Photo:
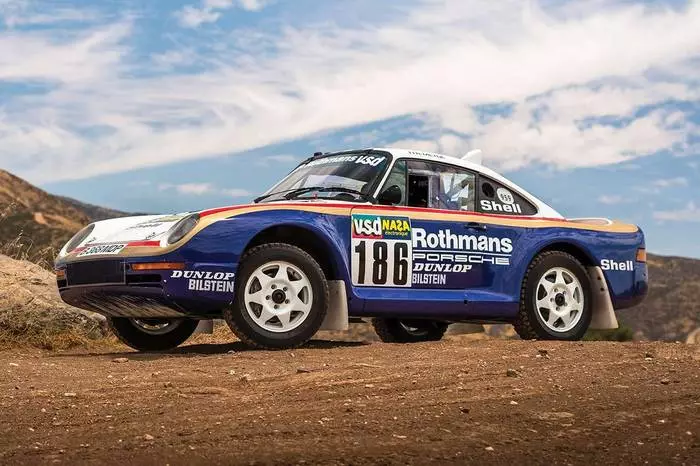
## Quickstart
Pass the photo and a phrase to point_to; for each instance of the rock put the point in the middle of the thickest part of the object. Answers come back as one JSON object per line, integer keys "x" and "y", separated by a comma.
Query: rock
{"x": 245, "y": 378}
{"x": 303, "y": 370}
{"x": 70, "y": 395}
{"x": 464, "y": 410}
{"x": 513, "y": 402}
{"x": 665, "y": 381}
{"x": 231, "y": 372}
{"x": 167, "y": 384}
{"x": 148, "y": 437}
{"x": 554, "y": 416}
{"x": 512, "y": 373}
{"x": 14, "y": 364}
{"x": 543, "y": 353}
{"x": 489, "y": 448}
{"x": 120, "y": 360}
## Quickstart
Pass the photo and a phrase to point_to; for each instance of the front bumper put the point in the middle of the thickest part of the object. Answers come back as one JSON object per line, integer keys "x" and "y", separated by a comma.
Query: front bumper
{"x": 112, "y": 288}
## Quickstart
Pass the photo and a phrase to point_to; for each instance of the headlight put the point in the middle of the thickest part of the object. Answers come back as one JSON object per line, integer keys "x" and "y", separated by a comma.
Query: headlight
{"x": 182, "y": 228}
{"x": 79, "y": 237}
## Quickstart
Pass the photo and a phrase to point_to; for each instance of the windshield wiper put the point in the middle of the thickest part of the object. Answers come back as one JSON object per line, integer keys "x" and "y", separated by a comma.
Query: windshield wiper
{"x": 324, "y": 189}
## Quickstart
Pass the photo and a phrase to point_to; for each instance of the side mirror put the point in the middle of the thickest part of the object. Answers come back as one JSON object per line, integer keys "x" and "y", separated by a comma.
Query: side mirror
{"x": 390, "y": 196}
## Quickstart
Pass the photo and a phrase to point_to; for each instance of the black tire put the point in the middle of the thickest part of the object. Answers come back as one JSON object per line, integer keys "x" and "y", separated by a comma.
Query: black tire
{"x": 131, "y": 335}
{"x": 408, "y": 331}
{"x": 250, "y": 332}
{"x": 529, "y": 323}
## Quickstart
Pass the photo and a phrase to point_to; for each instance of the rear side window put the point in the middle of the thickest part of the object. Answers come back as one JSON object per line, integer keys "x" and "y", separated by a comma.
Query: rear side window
{"x": 494, "y": 198}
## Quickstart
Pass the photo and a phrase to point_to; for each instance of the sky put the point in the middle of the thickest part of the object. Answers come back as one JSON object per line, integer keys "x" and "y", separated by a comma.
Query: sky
{"x": 168, "y": 106}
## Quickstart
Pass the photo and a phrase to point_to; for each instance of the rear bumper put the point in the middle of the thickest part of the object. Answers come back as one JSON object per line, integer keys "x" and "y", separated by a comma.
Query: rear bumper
{"x": 637, "y": 292}
{"x": 112, "y": 288}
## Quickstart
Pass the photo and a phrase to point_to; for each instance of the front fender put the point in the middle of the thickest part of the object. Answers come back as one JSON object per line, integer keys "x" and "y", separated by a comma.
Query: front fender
{"x": 226, "y": 240}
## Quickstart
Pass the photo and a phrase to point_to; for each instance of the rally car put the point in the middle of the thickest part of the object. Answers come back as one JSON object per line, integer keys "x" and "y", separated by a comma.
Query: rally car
{"x": 412, "y": 240}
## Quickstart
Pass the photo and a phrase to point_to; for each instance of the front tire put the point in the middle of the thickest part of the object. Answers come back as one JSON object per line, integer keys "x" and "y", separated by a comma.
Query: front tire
{"x": 555, "y": 300}
{"x": 408, "y": 331}
{"x": 152, "y": 334}
{"x": 281, "y": 297}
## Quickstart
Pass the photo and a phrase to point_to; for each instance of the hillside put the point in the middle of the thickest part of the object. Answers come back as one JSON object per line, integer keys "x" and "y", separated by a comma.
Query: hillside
{"x": 35, "y": 224}
{"x": 672, "y": 310}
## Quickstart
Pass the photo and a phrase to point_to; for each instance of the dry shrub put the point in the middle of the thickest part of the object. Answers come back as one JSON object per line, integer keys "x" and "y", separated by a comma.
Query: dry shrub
{"x": 26, "y": 326}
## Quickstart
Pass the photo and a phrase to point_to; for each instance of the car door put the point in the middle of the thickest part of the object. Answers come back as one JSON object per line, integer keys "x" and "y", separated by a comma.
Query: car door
{"x": 423, "y": 254}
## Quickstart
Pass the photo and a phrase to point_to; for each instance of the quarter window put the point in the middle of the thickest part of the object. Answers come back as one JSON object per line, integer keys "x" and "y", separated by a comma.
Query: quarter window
{"x": 494, "y": 198}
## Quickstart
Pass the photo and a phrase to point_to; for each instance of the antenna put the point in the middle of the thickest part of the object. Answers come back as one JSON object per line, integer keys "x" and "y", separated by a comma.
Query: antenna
{"x": 475, "y": 156}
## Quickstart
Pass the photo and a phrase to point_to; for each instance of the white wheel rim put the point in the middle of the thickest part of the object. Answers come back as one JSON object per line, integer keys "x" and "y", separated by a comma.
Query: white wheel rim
{"x": 278, "y": 296}
{"x": 156, "y": 326}
{"x": 559, "y": 300}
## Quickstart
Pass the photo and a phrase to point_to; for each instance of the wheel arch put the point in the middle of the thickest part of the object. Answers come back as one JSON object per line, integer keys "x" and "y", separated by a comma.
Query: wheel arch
{"x": 603, "y": 310}
{"x": 576, "y": 250}
{"x": 303, "y": 237}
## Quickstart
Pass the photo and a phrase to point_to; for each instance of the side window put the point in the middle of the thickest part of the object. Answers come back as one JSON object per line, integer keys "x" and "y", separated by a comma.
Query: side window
{"x": 494, "y": 198}
{"x": 440, "y": 186}
{"x": 397, "y": 177}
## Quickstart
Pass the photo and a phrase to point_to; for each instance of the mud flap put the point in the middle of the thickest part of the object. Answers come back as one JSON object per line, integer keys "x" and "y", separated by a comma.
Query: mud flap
{"x": 205, "y": 326}
{"x": 337, "y": 316}
{"x": 603, "y": 311}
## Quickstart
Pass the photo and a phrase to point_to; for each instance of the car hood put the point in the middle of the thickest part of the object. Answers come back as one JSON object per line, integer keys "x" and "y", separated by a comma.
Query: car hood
{"x": 129, "y": 230}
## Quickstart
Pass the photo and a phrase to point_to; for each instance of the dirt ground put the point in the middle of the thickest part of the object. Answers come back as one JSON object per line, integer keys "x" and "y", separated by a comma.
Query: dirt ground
{"x": 460, "y": 401}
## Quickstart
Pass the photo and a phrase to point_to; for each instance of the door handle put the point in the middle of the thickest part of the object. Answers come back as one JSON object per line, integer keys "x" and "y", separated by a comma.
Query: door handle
{"x": 475, "y": 226}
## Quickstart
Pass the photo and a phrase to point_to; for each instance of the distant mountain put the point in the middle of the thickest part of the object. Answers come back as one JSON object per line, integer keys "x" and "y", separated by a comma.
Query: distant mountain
{"x": 671, "y": 311}
{"x": 94, "y": 212}
{"x": 34, "y": 224}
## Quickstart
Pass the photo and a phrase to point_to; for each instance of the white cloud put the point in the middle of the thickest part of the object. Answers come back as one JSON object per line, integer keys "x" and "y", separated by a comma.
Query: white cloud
{"x": 253, "y": 5}
{"x": 564, "y": 71}
{"x": 210, "y": 11}
{"x": 277, "y": 159}
{"x": 689, "y": 213}
{"x": 671, "y": 182}
{"x": 193, "y": 17}
{"x": 201, "y": 189}
{"x": 611, "y": 199}
{"x": 237, "y": 192}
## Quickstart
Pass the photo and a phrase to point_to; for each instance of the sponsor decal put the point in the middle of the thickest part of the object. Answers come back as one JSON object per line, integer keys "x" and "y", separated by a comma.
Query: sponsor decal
{"x": 505, "y": 196}
{"x": 429, "y": 279}
{"x": 199, "y": 280}
{"x": 379, "y": 227}
{"x": 426, "y": 154}
{"x": 609, "y": 264}
{"x": 102, "y": 249}
{"x": 381, "y": 250}
{"x": 445, "y": 239}
{"x": 145, "y": 225}
{"x": 493, "y": 206}
{"x": 370, "y": 160}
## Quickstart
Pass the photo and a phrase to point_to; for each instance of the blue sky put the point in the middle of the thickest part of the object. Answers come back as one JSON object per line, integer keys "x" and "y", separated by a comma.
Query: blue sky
{"x": 158, "y": 106}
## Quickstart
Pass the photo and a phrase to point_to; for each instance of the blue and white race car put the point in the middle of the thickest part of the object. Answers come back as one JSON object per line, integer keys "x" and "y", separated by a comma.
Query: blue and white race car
{"x": 412, "y": 240}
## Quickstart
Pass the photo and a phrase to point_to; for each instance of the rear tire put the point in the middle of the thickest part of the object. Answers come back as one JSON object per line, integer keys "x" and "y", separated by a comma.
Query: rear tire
{"x": 152, "y": 334}
{"x": 408, "y": 331}
{"x": 555, "y": 300}
{"x": 281, "y": 297}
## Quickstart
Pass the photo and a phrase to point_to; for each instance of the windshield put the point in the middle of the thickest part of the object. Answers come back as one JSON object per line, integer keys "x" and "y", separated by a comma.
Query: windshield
{"x": 349, "y": 176}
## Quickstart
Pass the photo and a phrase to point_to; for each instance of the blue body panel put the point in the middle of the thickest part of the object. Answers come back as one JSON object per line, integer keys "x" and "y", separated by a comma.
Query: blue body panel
{"x": 485, "y": 286}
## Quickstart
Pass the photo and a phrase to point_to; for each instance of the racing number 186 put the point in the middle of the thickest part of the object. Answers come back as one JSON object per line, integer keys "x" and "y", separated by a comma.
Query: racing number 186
{"x": 388, "y": 267}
